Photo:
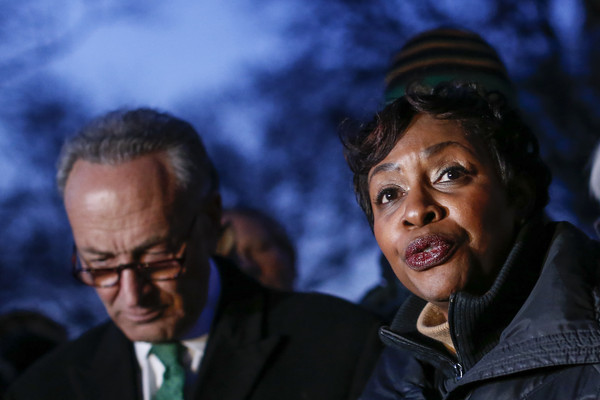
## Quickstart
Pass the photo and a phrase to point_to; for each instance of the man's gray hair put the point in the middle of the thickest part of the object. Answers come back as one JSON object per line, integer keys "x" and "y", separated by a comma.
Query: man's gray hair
{"x": 124, "y": 135}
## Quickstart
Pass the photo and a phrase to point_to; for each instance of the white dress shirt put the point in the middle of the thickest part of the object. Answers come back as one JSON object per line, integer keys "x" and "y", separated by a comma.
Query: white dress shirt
{"x": 194, "y": 342}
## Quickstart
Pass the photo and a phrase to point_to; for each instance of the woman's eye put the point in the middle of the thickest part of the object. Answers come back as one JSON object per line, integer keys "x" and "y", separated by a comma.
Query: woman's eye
{"x": 387, "y": 195}
{"x": 452, "y": 173}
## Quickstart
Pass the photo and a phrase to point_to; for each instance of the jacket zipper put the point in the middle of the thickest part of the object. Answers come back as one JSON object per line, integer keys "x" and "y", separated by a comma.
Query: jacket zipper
{"x": 458, "y": 368}
{"x": 458, "y": 371}
{"x": 425, "y": 351}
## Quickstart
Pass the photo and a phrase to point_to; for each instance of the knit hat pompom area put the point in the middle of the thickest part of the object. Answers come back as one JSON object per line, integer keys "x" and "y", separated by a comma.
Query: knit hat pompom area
{"x": 447, "y": 54}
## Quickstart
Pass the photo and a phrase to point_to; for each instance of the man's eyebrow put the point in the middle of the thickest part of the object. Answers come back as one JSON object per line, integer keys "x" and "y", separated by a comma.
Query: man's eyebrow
{"x": 428, "y": 152}
{"x": 150, "y": 242}
{"x": 91, "y": 250}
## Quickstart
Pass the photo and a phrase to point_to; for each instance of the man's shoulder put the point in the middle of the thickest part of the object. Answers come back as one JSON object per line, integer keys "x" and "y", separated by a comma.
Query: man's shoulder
{"x": 89, "y": 342}
{"x": 322, "y": 305}
{"x": 331, "y": 334}
{"x": 296, "y": 333}
{"x": 243, "y": 293}
{"x": 318, "y": 314}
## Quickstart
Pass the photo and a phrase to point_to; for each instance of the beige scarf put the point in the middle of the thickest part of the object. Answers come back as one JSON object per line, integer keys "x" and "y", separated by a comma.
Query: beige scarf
{"x": 432, "y": 323}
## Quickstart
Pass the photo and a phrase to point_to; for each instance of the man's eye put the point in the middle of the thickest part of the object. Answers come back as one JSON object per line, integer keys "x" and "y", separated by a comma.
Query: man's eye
{"x": 99, "y": 272}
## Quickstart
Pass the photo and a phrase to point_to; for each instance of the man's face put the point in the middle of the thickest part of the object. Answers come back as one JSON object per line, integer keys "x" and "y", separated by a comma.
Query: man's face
{"x": 130, "y": 213}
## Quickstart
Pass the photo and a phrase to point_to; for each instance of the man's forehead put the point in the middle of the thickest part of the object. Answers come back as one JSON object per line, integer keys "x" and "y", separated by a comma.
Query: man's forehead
{"x": 132, "y": 186}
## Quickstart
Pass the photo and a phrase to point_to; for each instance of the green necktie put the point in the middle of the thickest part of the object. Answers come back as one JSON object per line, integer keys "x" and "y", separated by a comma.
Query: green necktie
{"x": 174, "y": 377}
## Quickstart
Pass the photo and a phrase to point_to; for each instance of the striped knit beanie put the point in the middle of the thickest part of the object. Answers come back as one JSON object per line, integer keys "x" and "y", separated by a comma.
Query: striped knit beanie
{"x": 447, "y": 54}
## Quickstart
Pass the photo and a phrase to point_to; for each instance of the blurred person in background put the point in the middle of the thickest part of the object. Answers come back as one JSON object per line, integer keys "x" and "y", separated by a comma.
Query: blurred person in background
{"x": 387, "y": 296}
{"x": 142, "y": 198}
{"x": 504, "y": 302}
{"x": 260, "y": 246}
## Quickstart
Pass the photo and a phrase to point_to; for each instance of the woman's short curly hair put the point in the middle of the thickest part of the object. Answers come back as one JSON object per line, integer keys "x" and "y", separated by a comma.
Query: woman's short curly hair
{"x": 510, "y": 142}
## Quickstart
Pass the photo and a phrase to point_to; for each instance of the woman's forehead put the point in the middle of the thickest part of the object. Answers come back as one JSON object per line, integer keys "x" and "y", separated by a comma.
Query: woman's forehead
{"x": 429, "y": 136}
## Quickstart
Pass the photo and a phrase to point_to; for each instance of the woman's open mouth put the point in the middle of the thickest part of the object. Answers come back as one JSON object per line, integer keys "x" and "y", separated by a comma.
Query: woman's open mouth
{"x": 428, "y": 251}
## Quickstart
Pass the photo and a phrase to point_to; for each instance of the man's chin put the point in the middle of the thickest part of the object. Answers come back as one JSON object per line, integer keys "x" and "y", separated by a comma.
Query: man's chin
{"x": 159, "y": 329}
{"x": 148, "y": 333}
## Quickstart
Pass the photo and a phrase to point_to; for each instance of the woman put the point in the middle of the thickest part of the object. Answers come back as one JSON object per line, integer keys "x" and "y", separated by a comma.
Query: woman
{"x": 506, "y": 304}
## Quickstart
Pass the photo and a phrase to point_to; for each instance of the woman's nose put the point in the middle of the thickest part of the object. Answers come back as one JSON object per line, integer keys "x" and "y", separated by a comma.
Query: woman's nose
{"x": 421, "y": 208}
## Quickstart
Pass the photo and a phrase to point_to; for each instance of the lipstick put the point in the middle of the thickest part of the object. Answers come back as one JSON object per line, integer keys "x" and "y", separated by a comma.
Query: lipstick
{"x": 428, "y": 251}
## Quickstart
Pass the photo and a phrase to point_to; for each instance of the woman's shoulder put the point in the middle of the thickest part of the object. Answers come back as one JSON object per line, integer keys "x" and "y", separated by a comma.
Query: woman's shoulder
{"x": 570, "y": 382}
{"x": 573, "y": 252}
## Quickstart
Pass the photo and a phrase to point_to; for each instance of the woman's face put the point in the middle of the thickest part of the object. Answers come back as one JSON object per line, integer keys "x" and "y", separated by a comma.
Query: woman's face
{"x": 441, "y": 215}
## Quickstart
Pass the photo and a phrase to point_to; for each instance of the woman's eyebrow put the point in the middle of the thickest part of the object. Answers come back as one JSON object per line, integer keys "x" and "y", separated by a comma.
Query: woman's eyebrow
{"x": 438, "y": 147}
{"x": 383, "y": 168}
{"x": 428, "y": 152}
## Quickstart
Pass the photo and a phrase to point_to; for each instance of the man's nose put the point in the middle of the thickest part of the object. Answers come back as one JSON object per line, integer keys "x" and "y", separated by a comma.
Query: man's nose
{"x": 421, "y": 208}
{"x": 131, "y": 287}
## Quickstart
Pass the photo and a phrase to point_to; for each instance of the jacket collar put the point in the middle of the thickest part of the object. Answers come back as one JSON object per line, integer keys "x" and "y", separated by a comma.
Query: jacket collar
{"x": 558, "y": 322}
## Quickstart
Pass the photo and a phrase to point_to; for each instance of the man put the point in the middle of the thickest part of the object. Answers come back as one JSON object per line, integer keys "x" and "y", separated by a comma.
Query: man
{"x": 260, "y": 246}
{"x": 142, "y": 199}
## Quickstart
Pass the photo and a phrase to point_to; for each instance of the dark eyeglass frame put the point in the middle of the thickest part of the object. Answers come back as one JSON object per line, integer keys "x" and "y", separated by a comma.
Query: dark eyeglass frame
{"x": 141, "y": 268}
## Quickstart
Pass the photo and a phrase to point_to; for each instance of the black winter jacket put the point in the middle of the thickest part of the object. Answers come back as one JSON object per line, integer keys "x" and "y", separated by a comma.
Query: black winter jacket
{"x": 534, "y": 335}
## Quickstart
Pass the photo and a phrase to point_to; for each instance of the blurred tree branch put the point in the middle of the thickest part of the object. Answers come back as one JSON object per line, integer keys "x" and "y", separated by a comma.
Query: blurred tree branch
{"x": 34, "y": 32}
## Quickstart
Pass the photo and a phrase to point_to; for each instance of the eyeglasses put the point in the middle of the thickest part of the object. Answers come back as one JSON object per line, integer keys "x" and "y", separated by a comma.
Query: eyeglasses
{"x": 107, "y": 277}
{"x": 162, "y": 270}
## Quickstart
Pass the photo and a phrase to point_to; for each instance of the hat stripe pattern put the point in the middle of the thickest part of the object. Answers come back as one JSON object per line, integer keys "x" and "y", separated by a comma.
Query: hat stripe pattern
{"x": 446, "y": 54}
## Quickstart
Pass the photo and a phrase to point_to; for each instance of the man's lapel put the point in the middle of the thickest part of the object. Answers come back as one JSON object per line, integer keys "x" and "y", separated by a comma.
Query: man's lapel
{"x": 238, "y": 345}
{"x": 233, "y": 373}
{"x": 111, "y": 373}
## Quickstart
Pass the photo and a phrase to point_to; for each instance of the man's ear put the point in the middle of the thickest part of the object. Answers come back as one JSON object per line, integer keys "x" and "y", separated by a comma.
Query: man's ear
{"x": 521, "y": 195}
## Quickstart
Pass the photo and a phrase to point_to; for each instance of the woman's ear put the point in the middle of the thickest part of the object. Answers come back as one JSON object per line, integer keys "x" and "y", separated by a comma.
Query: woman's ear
{"x": 521, "y": 195}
